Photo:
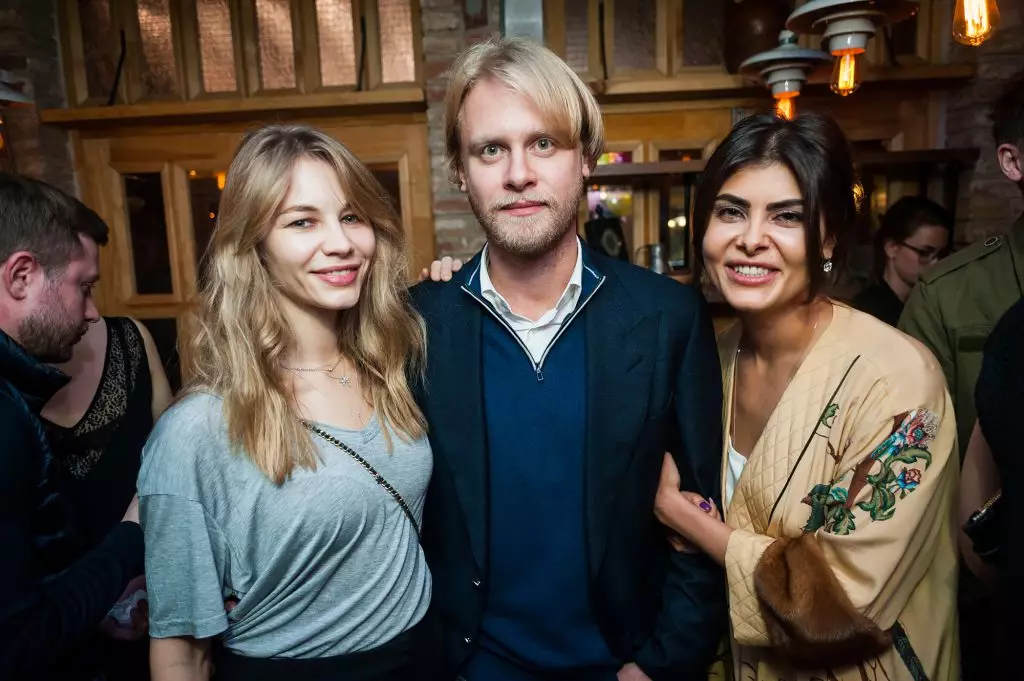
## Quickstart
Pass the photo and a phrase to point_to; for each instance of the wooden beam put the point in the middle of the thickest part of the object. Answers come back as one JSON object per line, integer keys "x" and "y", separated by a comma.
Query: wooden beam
{"x": 635, "y": 171}
{"x": 389, "y": 99}
{"x": 705, "y": 83}
{"x": 641, "y": 172}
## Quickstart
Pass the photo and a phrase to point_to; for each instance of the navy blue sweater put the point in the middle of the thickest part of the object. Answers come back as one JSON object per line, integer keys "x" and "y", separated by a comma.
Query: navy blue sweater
{"x": 537, "y": 611}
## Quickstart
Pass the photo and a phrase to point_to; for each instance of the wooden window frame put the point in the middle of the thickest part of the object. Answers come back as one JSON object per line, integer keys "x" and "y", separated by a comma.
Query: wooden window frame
{"x": 662, "y": 56}
{"x": 128, "y": 20}
{"x": 69, "y": 23}
{"x": 192, "y": 53}
{"x": 171, "y": 178}
{"x": 640, "y": 231}
{"x": 374, "y": 56}
{"x": 555, "y": 36}
{"x": 245, "y": 44}
{"x": 250, "y": 41}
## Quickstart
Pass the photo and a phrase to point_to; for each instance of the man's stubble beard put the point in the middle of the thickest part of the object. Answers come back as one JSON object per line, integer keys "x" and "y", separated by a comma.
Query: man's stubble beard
{"x": 49, "y": 334}
{"x": 531, "y": 237}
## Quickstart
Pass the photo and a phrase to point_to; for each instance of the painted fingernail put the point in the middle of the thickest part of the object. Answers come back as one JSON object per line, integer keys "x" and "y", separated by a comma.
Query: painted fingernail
{"x": 705, "y": 506}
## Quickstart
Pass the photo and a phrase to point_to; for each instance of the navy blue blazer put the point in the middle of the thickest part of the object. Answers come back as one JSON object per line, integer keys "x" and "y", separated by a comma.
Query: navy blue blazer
{"x": 653, "y": 385}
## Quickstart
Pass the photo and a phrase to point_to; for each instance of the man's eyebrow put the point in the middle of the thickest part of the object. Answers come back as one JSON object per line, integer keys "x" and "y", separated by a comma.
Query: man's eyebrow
{"x": 484, "y": 140}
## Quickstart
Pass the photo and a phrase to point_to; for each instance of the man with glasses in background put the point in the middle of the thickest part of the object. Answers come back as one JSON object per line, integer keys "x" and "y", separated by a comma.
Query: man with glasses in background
{"x": 952, "y": 310}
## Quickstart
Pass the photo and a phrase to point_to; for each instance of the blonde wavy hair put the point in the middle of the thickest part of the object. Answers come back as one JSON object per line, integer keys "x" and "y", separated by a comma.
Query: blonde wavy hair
{"x": 532, "y": 70}
{"x": 241, "y": 334}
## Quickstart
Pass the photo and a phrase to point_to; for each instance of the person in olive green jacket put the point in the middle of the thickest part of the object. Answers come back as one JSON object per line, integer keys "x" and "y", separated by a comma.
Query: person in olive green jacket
{"x": 957, "y": 303}
{"x": 952, "y": 310}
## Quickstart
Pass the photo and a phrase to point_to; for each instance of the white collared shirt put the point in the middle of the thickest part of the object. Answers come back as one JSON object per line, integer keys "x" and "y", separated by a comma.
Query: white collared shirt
{"x": 536, "y": 335}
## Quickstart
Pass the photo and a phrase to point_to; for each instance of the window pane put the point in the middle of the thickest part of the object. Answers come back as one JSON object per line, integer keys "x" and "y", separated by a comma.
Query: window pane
{"x": 703, "y": 23}
{"x": 204, "y": 191}
{"x": 673, "y": 220}
{"x": 609, "y": 226}
{"x": 158, "y": 67}
{"x": 634, "y": 35}
{"x": 904, "y": 36}
{"x": 577, "y": 34}
{"x": 216, "y": 48}
{"x": 277, "y": 51}
{"x": 337, "y": 42}
{"x": 679, "y": 154}
{"x": 388, "y": 176}
{"x": 674, "y": 202}
{"x": 100, "y": 44}
{"x": 165, "y": 337}
{"x": 147, "y": 227}
{"x": 397, "y": 63}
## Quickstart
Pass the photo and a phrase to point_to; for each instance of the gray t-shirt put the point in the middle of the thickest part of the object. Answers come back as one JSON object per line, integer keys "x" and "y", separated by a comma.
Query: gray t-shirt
{"x": 325, "y": 564}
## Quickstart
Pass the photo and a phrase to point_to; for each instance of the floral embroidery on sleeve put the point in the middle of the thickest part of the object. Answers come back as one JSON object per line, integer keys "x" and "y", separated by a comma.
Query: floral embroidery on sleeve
{"x": 892, "y": 471}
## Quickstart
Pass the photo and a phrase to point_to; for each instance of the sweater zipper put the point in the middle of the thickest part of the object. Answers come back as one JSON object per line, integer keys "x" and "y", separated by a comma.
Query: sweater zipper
{"x": 538, "y": 367}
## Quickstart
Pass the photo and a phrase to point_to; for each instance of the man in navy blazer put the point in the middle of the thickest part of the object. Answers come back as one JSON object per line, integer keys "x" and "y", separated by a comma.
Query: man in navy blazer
{"x": 556, "y": 380}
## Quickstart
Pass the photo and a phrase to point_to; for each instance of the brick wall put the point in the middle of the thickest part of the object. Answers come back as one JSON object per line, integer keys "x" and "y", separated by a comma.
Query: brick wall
{"x": 30, "y": 50}
{"x": 988, "y": 202}
{"x": 444, "y": 35}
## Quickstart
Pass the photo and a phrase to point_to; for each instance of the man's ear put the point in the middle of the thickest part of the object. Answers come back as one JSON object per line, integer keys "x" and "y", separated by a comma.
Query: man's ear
{"x": 587, "y": 167}
{"x": 18, "y": 273}
{"x": 1008, "y": 157}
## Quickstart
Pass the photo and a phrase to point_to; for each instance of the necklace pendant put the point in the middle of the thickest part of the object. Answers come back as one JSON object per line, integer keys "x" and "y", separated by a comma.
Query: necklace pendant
{"x": 345, "y": 381}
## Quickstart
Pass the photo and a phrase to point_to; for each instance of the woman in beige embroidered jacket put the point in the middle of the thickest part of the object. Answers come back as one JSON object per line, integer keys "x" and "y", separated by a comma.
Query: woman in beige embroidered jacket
{"x": 839, "y": 470}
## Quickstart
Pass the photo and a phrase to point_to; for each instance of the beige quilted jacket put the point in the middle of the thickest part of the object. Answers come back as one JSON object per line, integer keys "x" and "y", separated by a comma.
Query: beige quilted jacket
{"x": 859, "y": 461}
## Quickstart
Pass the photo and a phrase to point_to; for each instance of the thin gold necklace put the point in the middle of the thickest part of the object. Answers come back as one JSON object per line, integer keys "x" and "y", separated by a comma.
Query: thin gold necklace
{"x": 345, "y": 380}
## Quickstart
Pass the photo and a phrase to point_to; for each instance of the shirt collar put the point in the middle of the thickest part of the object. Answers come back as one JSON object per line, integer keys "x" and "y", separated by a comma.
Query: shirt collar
{"x": 566, "y": 302}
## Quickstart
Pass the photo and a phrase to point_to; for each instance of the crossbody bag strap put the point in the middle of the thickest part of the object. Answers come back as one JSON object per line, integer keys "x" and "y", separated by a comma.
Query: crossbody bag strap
{"x": 369, "y": 469}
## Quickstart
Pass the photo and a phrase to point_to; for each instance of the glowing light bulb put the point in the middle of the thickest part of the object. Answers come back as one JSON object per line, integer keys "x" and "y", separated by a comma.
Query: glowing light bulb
{"x": 785, "y": 105}
{"x": 858, "y": 193}
{"x": 974, "y": 21}
{"x": 846, "y": 74}
{"x": 222, "y": 179}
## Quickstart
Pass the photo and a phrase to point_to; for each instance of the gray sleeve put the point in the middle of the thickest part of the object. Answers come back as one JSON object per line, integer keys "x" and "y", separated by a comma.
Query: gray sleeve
{"x": 186, "y": 556}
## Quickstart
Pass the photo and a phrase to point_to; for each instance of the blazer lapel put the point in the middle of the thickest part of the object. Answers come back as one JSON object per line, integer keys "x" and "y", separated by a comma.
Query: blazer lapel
{"x": 620, "y": 349}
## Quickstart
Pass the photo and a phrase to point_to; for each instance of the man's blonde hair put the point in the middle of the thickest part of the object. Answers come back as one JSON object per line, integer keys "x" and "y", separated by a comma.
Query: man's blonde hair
{"x": 529, "y": 69}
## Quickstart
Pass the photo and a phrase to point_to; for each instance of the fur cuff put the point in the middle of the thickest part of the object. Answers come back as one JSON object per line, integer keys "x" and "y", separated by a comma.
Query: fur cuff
{"x": 811, "y": 621}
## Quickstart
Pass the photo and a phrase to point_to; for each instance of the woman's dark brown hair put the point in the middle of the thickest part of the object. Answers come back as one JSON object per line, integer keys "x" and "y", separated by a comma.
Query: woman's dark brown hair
{"x": 815, "y": 151}
{"x": 902, "y": 221}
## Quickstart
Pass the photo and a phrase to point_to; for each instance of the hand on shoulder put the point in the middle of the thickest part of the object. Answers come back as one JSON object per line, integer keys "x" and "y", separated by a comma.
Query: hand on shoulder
{"x": 441, "y": 270}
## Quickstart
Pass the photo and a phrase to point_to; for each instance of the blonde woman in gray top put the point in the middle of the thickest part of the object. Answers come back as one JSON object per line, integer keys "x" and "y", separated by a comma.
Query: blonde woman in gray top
{"x": 291, "y": 475}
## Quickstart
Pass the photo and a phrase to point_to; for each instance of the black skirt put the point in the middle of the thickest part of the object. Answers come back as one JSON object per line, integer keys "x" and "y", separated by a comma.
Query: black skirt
{"x": 413, "y": 655}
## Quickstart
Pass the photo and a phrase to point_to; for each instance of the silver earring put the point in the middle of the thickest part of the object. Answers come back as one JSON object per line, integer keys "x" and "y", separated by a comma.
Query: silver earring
{"x": 827, "y": 265}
